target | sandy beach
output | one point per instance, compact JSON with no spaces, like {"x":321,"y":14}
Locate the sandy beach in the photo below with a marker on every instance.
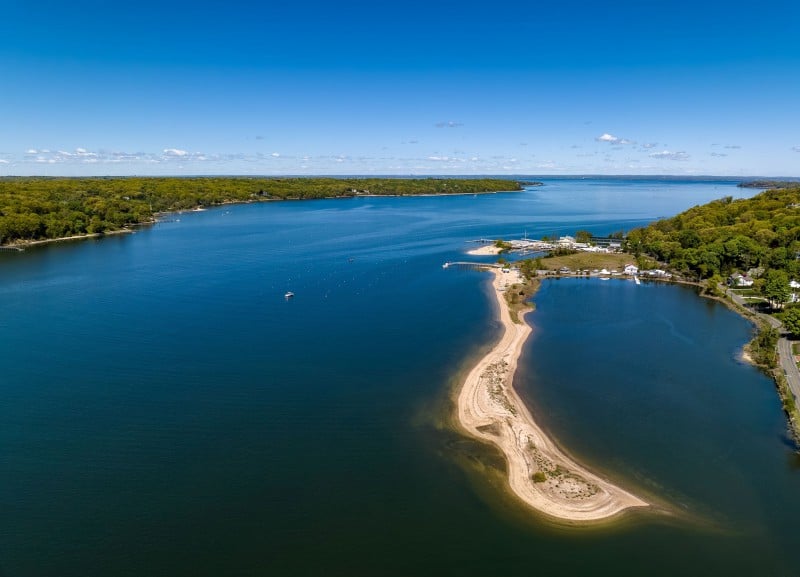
{"x":539,"y":473}
{"x":29,"y":243}
{"x":483,"y":250}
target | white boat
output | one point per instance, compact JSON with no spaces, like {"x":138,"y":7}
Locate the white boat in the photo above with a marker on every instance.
{"x":636,"y":278}
{"x":289,"y":295}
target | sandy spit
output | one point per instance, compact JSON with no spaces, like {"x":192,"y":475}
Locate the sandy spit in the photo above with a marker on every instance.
{"x":539,"y":472}
{"x":486,"y":249}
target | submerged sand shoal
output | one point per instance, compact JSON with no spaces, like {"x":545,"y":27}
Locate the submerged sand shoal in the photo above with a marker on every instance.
{"x":539,"y":472}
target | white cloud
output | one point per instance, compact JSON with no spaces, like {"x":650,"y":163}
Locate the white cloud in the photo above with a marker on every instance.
{"x":796,"y":148}
{"x":718,"y":154}
{"x":449,"y":124}
{"x":3,"y":161}
{"x":606,"y":137}
{"x":117,"y":156}
{"x":611,"y":139}
{"x":649,"y":144}
{"x":275,"y":154}
{"x":31,"y":151}
{"x":84,"y":156}
{"x":732,"y":146}
{"x":174,"y":152}
{"x":669,"y":155}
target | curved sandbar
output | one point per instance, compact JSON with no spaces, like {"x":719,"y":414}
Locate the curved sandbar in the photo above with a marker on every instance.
{"x":539,"y":473}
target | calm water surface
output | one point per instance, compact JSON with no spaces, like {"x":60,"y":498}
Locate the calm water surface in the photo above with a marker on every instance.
{"x":164,"y":411}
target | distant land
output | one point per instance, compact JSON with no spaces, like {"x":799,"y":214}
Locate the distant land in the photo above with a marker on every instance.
{"x":42,"y":209}
{"x":770,"y":184}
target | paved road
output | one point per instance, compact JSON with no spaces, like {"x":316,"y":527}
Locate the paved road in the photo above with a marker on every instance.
{"x":785,"y":356}
{"x":789,"y":368}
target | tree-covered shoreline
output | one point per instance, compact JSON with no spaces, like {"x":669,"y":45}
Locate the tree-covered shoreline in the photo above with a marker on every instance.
{"x":39,"y":208}
{"x":769,"y":183}
{"x":727,"y":236}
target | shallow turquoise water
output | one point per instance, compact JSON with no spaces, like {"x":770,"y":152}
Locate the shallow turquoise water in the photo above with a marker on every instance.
{"x":165,"y":411}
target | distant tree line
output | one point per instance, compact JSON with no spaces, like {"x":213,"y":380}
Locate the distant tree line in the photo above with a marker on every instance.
{"x":47,"y":208}
{"x":769,"y":184}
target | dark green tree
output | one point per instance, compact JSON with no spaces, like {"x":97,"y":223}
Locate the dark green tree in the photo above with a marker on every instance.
{"x":776,"y":287}
{"x":791,"y":320}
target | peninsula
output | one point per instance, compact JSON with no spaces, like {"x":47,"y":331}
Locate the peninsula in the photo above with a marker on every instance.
{"x":36,"y":209}
{"x":539,"y":473}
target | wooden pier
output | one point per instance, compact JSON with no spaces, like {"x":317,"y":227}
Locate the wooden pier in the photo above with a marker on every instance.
{"x":472,"y":265}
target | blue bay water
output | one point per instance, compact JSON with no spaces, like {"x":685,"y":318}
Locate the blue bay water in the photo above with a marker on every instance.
{"x":165,"y":411}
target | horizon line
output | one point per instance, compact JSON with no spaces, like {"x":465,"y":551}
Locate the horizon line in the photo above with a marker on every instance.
{"x":411,"y":175}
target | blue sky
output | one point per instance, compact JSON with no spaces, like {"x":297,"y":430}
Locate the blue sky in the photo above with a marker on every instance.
{"x":568,"y":87}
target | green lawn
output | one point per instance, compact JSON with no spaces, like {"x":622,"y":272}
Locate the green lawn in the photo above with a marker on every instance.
{"x":590,"y":260}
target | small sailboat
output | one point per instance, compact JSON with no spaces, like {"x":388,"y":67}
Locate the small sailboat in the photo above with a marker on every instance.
{"x":288,"y":295}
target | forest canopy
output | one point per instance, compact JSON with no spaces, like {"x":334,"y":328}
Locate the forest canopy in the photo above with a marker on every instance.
{"x":49,"y":208}
{"x":726,"y":236}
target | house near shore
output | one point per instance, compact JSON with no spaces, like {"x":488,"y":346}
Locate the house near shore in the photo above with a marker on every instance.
{"x":740,"y":280}
{"x":656,"y":273}
{"x":794,"y":297}
{"x":631,"y":269}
